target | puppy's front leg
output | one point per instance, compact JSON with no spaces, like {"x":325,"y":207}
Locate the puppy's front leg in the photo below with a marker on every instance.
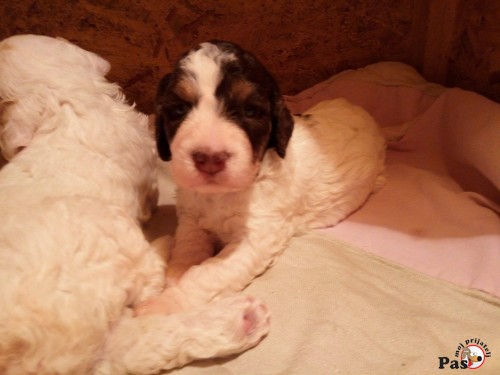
{"x":230,"y":271}
{"x":148,"y":344}
{"x":192,"y":246}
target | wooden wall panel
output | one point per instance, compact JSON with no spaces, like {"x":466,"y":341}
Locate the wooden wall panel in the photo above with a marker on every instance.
{"x":301,"y":42}
{"x":475,"y":57}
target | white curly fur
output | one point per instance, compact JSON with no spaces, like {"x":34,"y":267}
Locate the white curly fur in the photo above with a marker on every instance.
{"x":333,"y":161}
{"x":73,"y":258}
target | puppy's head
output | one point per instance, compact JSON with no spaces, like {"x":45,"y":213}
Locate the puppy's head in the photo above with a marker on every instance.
{"x":36,"y":75}
{"x":217,"y":114}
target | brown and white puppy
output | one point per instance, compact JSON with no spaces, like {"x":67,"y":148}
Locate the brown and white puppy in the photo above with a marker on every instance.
{"x":249,"y":175}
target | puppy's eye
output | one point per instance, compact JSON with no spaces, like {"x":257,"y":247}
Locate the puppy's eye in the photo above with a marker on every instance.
{"x":177,"y":111}
{"x":252,"y":112}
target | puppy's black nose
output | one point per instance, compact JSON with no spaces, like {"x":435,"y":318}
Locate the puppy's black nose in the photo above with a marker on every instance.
{"x":210,"y":162}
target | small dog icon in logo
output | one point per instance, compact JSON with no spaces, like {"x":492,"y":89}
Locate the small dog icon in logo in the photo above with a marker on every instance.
{"x":474,"y":356}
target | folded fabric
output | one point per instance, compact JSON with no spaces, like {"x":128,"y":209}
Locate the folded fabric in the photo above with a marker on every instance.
{"x":439,"y":211}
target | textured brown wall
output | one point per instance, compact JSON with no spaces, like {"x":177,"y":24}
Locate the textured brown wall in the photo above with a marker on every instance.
{"x":475,"y":58}
{"x":301,"y":42}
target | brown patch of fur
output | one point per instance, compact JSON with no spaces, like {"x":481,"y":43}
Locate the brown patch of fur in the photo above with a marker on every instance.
{"x":186,"y":90}
{"x":241,"y":90}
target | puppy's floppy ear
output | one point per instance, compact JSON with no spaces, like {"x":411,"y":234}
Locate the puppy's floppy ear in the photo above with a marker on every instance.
{"x":161,"y":137}
{"x":282,"y":124}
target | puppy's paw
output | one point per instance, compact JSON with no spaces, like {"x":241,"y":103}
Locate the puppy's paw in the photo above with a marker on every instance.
{"x":245,"y":321}
{"x":257,"y":320}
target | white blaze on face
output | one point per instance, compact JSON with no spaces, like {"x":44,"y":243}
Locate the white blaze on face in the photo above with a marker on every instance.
{"x":207,"y":131}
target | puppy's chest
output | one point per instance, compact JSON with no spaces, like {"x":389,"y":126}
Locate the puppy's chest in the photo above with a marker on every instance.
{"x":225,"y":216}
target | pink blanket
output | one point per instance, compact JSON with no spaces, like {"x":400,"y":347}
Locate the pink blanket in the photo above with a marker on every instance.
{"x":438,"y":212}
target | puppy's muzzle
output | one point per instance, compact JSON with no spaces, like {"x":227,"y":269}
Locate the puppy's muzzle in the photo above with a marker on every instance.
{"x":210,"y":162}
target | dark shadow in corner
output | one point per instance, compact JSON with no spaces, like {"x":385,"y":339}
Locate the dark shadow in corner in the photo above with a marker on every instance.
{"x":163,"y":222}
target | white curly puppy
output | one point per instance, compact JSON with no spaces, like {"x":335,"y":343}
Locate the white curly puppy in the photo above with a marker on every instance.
{"x":73,"y":259}
{"x":250,"y":176}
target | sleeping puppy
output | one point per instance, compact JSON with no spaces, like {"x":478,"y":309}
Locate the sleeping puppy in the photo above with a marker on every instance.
{"x":73,"y":258}
{"x":249,"y":175}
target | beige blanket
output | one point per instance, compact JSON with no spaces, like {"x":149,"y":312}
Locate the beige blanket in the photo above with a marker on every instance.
{"x":338,"y":310}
